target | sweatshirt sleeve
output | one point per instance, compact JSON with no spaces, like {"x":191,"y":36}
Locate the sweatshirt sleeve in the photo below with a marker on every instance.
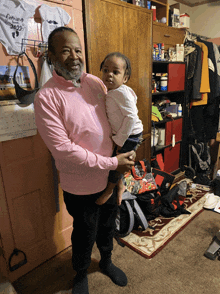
{"x":51,"y":127}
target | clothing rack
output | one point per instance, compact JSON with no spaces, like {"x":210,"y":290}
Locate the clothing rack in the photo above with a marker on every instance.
{"x":199,"y":36}
{"x":38,"y":46}
{"x":193,"y":36}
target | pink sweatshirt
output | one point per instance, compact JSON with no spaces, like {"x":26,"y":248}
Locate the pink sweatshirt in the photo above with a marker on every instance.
{"x":74,"y":126}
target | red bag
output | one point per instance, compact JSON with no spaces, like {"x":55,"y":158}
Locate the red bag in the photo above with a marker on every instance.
{"x":140,"y":180}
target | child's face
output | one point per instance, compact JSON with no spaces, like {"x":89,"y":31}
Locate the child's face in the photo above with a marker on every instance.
{"x":113,"y":72}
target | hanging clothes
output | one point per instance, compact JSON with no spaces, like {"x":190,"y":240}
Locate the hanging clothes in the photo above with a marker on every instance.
{"x":14,"y":17}
{"x":200,"y":96}
{"x":52,"y":18}
{"x":204,"y":111}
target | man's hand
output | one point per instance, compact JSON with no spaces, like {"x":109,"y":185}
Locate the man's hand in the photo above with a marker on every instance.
{"x":125,"y":161}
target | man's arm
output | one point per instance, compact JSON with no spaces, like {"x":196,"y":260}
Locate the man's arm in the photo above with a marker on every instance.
{"x":53,"y":132}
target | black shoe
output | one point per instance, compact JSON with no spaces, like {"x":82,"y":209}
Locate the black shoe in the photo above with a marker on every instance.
{"x":114,"y":273}
{"x":80,"y":285}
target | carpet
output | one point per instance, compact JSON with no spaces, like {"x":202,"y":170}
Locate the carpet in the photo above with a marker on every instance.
{"x":151,"y":241}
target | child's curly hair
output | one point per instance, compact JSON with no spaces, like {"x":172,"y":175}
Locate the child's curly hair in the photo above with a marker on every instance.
{"x":125,"y":58}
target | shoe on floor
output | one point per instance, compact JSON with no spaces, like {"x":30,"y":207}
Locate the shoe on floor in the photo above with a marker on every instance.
{"x":80,"y":285}
{"x":114,"y":273}
{"x":211,"y":201}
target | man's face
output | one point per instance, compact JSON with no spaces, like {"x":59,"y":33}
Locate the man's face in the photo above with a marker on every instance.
{"x":67,"y":59}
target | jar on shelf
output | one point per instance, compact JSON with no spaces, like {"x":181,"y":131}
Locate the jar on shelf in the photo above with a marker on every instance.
{"x":163,"y":83}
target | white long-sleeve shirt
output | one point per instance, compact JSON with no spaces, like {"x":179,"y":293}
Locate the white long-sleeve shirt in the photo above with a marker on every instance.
{"x":122,"y":113}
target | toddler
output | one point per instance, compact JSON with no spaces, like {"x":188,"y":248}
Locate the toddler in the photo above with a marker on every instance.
{"x":122,"y":113}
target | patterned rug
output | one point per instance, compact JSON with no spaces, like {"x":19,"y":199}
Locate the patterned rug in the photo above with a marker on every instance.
{"x":149,"y":242}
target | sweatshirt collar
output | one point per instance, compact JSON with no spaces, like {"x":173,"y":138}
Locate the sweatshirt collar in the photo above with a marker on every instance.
{"x":64,"y":82}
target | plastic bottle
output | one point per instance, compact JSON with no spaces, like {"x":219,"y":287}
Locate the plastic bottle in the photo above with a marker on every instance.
{"x":163,"y":83}
{"x":179,"y":52}
{"x":154,"y":12}
{"x":162,"y":51}
{"x":180,"y":111}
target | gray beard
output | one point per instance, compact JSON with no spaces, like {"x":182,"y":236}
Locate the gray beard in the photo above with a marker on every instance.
{"x":68,"y":75}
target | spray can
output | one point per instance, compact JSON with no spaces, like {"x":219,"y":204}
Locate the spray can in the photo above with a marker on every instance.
{"x":159,"y":54}
{"x":162,"y":51}
{"x":156,"y":52}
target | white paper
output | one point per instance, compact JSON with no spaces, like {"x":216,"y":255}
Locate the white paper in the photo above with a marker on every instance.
{"x":17,"y":121}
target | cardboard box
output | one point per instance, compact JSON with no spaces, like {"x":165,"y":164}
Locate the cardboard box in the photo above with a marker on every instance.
{"x":184,"y":21}
{"x":176,"y":18}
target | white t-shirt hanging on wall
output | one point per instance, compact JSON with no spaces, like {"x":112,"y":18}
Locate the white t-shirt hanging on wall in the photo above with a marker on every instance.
{"x":14,"y":17}
{"x":52,"y":18}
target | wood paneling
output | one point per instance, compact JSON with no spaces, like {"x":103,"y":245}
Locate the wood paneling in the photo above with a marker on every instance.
{"x":113,"y":25}
{"x":28,"y":217}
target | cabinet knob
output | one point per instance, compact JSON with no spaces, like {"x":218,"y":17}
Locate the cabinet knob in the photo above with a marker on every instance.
{"x":166,"y":35}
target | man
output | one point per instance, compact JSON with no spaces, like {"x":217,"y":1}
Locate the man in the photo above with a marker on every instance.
{"x":71,"y":119}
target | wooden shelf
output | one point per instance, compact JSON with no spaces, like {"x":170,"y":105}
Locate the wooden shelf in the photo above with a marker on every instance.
{"x":166,"y":120}
{"x":166,"y":92}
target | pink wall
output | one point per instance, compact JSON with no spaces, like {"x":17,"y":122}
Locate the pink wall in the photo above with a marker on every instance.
{"x":34,"y":29}
{"x":215,"y":40}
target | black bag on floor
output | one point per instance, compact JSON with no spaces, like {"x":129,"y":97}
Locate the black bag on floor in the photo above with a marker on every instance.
{"x":173,"y":201}
{"x":130,"y":216}
{"x":150,"y":203}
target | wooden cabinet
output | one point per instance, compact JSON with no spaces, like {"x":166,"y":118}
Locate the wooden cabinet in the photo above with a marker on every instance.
{"x":113,"y":25}
{"x":168,"y":35}
{"x":162,"y":9}
{"x":29,"y":220}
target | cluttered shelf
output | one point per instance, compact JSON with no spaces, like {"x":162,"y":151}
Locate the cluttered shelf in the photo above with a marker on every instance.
{"x":165,"y":120}
{"x":159,"y":148}
{"x":167,"y":92}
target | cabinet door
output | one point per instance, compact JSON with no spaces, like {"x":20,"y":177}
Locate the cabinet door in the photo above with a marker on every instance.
{"x":176,"y":76}
{"x":118,"y":26}
{"x":172,"y":158}
{"x":173,"y":128}
{"x":172,"y":154}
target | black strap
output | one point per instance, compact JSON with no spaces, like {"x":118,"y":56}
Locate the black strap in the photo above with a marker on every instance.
{"x":32,"y":66}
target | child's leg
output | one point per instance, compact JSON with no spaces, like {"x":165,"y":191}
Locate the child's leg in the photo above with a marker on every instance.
{"x":112,"y":182}
{"x":121,"y":189}
{"x":106,"y":194}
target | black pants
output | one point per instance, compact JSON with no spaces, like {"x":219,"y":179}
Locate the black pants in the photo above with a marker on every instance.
{"x":132,"y":143}
{"x":92,"y":223}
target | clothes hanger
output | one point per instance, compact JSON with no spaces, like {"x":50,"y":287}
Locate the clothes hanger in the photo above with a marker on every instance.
{"x":189,"y":43}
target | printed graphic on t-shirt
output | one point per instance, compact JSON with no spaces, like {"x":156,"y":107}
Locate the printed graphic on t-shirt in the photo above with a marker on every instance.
{"x":52,"y":18}
{"x":14,"y":17}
